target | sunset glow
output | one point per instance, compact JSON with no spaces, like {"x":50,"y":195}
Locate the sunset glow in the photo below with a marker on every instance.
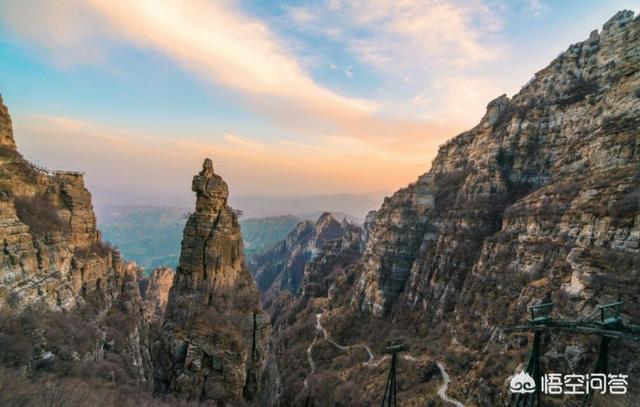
{"x":294,"y":98}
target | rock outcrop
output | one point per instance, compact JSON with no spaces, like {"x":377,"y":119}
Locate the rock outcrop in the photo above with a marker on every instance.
{"x":6,"y":129}
{"x":539,"y":201}
{"x":155,"y":292}
{"x":281,"y":269}
{"x":53,"y":262}
{"x":394,"y":238}
{"x":541,"y":198}
{"x":215,"y":342}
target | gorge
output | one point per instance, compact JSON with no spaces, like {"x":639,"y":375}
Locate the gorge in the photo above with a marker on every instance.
{"x":539,"y":202}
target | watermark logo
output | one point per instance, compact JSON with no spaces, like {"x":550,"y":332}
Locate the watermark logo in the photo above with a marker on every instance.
{"x":522,"y":383}
{"x":557,"y":383}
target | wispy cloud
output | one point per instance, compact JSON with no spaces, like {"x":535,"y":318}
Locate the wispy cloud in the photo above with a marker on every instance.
{"x":243,"y":141}
{"x":415,"y":46}
{"x":225,"y":47}
{"x":212,"y":39}
{"x":393,"y":34}
{"x":69,"y":143}
{"x":537,"y":7}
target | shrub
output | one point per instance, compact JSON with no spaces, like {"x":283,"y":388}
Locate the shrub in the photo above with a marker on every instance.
{"x":580,"y":89}
{"x":40,"y":215}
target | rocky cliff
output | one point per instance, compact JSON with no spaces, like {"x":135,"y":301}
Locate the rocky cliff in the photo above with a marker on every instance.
{"x":215,"y":342}
{"x":67,"y":299}
{"x":281,"y":269}
{"x":295,"y":321}
{"x":6,"y":129}
{"x":540,"y":200}
{"x":155,"y":292}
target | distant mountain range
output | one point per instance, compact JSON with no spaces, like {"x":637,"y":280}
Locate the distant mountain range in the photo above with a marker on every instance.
{"x":148,"y":235}
{"x":310,"y":207}
{"x":151,"y":235}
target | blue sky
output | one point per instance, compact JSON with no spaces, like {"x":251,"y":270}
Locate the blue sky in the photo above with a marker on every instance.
{"x":290,"y":98}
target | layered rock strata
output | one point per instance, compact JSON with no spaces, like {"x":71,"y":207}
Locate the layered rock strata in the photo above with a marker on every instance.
{"x":281,"y":269}
{"x":54,"y":261}
{"x":215,"y":342}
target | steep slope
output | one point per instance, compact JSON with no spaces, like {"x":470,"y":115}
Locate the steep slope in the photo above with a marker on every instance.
{"x":540,"y":200}
{"x":68,"y":301}
{"x":291,"y":316}
{"x":155,"y":291}
{"x":282,"y":267}
{"x":260,"y":234}
{"x":215,"y":342}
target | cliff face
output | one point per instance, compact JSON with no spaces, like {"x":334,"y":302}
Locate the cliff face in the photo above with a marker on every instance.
{"x":549,"y":164}
{"x":215,"y":341}
{"x":6,"y":129}
{"x":281,"y":269}
{"x":540,"y":200}
{"x":156,"y":293}
{"x":53,"y":261}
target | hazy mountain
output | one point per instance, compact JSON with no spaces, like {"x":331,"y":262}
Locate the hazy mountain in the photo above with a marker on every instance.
{"x":260,"y":234}
{"x":151,"y":235}
{"x":148,"y":235}
{"x":311,"y":206}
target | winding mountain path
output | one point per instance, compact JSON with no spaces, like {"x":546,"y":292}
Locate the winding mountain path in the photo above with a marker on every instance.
{"x":442,"y":391}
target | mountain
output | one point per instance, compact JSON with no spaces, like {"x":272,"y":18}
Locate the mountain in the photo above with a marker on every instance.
{"x":538,"y":202}
{"x":148,"y":235}
{"x":151,"y":235}
{"x":260,"y":234}
{"x":281,"y":268}
{"x":71,"y":313}
{"x":215,"y":342}
{"x":309,"y":207}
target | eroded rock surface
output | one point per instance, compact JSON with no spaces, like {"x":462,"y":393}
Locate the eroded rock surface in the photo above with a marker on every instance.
{"x":156,"y":293}
{"x":215,"y":343}
{"x":540,"y":201}
{"x":280,"y":270}
{"x":53,"y":263}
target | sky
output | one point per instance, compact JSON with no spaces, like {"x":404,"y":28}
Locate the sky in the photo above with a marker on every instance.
{"x":289,"y":98}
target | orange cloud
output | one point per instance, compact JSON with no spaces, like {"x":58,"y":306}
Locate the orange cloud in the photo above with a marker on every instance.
{"x":132,"y":162}
{"x":221,"y":45}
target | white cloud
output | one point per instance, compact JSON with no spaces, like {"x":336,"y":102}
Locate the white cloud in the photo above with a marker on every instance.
{"x":223,"y":46}
{"x":211,"y":39}
{"x":537,"y":7}
{"x":392,"y":35}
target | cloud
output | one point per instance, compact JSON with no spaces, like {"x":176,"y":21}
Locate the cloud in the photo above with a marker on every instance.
{"x":225,"y":47}
{"x":392,"y":35}
{"x":243,"y":141}
{"x":416,"y":46}
{"x":537,"y":7}
{"x":131,"y":165}
{"x":211,"y":39}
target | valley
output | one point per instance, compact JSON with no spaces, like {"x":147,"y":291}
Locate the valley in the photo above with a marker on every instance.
{"x":538,"y":203}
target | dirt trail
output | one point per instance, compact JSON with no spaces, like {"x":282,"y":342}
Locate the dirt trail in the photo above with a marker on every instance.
{"x":442,"y":391}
